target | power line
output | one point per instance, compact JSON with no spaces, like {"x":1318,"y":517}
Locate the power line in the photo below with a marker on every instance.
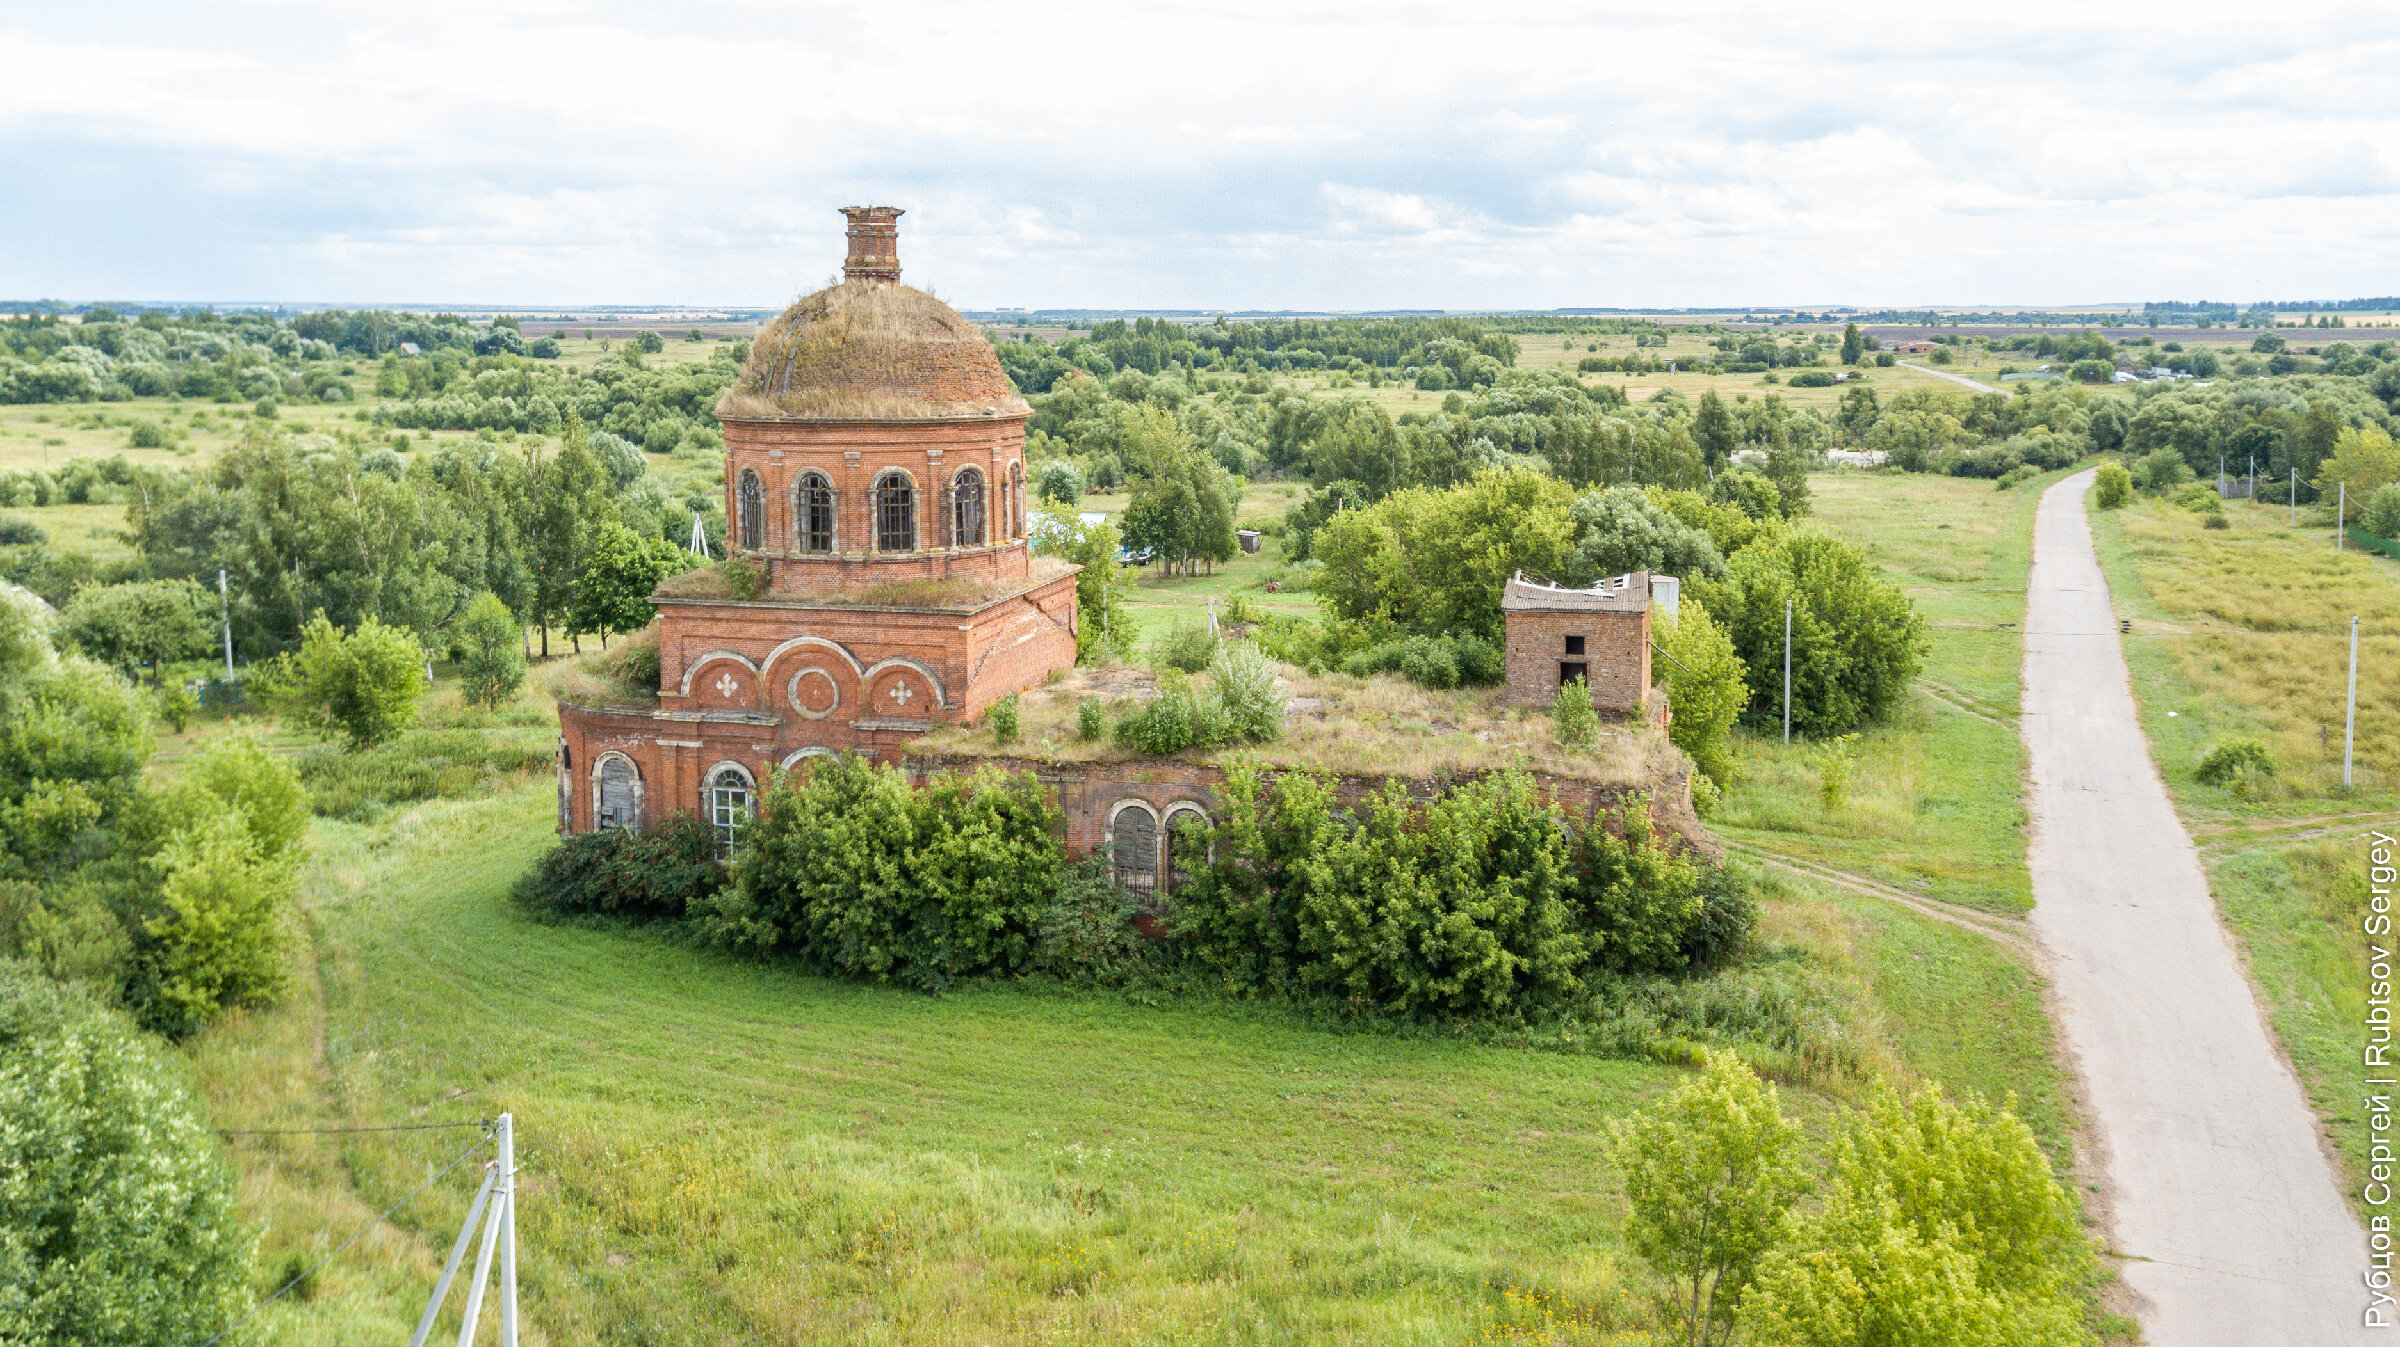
{"x":361,"y":1232}
{"x":484,"y":1123}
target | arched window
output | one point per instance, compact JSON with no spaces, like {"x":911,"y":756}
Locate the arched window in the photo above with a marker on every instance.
{"x":617,"y":794}
{"x":966,"y":509}
{"x":728,"y":800}
{"x":1133,"y":847}
{"x":1016,"y":500}
{"x":752,"y":501}
{"x":1185,"y":822}
{"x":895,"y":513}
{"x":812,"y":511}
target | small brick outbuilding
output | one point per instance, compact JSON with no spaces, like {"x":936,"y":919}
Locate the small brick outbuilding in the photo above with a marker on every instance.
{"x":1600,"y":635}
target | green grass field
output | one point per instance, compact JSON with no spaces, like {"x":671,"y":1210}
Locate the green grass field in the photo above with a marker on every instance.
{"x":1934,"y":804}
{"x":725,"y":1150}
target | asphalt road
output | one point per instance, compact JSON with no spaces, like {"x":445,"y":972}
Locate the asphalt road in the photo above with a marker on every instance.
{"x":2226,"y":1207}
{"x":1959,"y":379}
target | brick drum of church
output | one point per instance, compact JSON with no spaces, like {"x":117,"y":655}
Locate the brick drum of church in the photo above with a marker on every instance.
{"x":875,"y":474}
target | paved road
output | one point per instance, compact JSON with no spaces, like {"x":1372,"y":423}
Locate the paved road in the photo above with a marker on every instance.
{"x":1945,"y":374}
{"x":2225,"y":1204}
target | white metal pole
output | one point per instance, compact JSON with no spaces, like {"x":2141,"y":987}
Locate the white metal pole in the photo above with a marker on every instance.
{"x":2350,"y":715}
{"x":225,"y":615}
{"x":1787,"y":673}
{"x":458,"y":1251}
{"x":483,"y":1275}
{"x":508,"y":1232}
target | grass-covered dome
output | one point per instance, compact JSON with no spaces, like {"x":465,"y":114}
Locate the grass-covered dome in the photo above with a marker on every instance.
{"x":870,"y":350}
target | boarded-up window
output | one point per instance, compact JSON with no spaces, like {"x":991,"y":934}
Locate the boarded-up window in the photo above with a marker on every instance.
{"x":753,"y":503}
{"x":620,"y":795}
{"x":1135,"y":853}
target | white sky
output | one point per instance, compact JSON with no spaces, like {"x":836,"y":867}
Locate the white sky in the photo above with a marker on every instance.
{"x":1226,"y":154}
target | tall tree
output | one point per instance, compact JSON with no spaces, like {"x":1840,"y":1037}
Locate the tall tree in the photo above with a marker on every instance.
{"x":569,"y":502}
{"x":1712,"y":426}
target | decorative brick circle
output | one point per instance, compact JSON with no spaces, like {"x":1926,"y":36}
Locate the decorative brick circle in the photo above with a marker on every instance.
{"x":814,"y":694}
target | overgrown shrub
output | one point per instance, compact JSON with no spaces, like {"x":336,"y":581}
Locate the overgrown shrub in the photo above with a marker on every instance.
{"x":660,"y":873}
{"x":1857,"y":640}
{"x":2112,"y":487}
{"x":422,"y":765}
{"x":2161,"y":471}
{"x":1243,"y":684}
{"x":1091,"y":718}
{"x":1006,"y":719}
{"x":362,"y":685}
{"x":1437,"y":662}
{"x":1478,"y":902}
{"x":852,"y":871}
{"x":2381,"y":517}
{"x":2236,"y":763}
{"x":18,"y":531}
{"x":1572,"y":718}
{"x":118,"y":1220}
{"x":1186,"y":646}
{"x":1086,"y":932}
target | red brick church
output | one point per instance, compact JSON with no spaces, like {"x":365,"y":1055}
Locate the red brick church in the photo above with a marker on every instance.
{"x":875,"y":472}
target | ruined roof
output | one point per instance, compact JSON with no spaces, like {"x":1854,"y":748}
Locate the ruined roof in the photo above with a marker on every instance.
{"x":871,"y":349}
{"x":1617,"y":594}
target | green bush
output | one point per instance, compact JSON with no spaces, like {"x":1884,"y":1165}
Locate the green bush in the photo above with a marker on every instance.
{"x":1186,"y":646}
{"x":1478,"y":902}
{"x":2381,"y":517}
{"x":853,"y":871}
{"x":1703,"y":676}
{"x":2161,"y":471}
{"x":1086,"y":933}
{"x":363,"y":685}
{"x":1242,"y":682}
{"x":2016,"y":477}
{"x":117,"y":1224}
{"x":1437,"y":662}
{"x":2112,"y":487}
{"x":18,"y":531}
{"x":1945,"y":1226}
{"x":1091,"y":718}
{"x":2238,"y":762}
{"x":1857,"y":641}
{"x":1006,"y":720}
{"x":491,"y":646}
{"x":660,"y":873}
{"x":1572,"y":718}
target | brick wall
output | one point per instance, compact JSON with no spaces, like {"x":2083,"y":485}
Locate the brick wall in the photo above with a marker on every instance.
{"x":852,"y":456}
{"x":1616,"y":656}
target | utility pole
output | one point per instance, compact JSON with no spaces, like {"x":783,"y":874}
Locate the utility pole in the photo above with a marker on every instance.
{"x":2295,"y":498}
{"x":2341,"y":520}
{"x":225,"y":616}
{"x":496,"y":1205}
{"x":1787,"y":673}
{"x":2350,"y":716}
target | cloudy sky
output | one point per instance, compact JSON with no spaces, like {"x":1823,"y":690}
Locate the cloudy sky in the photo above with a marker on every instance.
{"x":1228,"y":154}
